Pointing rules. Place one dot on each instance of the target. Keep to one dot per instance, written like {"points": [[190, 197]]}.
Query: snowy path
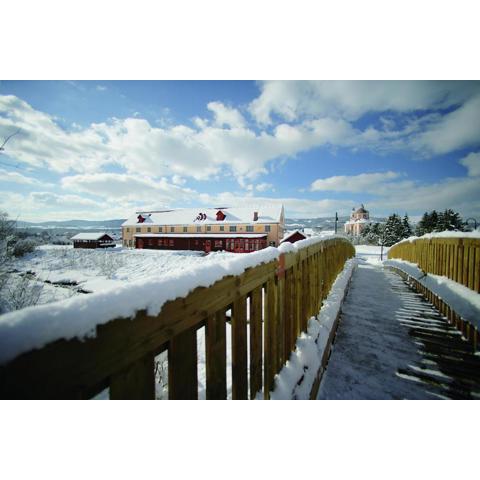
{"points": [[392, 344]]}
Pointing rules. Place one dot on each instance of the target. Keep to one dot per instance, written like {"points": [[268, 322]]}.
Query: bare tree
{"points": [[2, 148]]}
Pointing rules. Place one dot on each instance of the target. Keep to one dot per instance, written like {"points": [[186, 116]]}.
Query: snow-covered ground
{"points": [[370, 254], [63, 271]]}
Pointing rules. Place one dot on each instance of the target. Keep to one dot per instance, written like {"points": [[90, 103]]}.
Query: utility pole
{"points": [[336, 221]]}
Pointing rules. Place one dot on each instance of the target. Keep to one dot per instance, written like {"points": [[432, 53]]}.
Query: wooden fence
{"points": [[455, 258], [283, 295]]}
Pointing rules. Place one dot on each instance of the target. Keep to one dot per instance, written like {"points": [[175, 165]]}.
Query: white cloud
{"points": [[50, 199], [365, 182], [41, 142], [224, 115], [101, 88], [294, 207], [351, 99], [458, 129], [264, 187], [17, 177], [472, 162], [129, 188]]}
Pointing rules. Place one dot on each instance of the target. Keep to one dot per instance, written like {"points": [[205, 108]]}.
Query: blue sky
{"points": [[102, 149]]}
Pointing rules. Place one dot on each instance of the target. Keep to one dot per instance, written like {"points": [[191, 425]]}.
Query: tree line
{"points": [[396, 229]]}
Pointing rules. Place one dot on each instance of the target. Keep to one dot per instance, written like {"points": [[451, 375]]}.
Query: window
{"points": [[272, 244], [160, 229], [209, 228], [233, 228], [149, 229], [267, 228], [184, 229], [128, 230], [172, 229], [138, 229], [171, 242], [249, 228], [199, 229], [218, 244], [222, 228]]}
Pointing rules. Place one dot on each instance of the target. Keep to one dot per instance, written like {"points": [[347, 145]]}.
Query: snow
{"points": [[123, 295], [296, 378], [187, 216], [462, 300], [370, 254], [371, 344], [89, 236], [445, 234]]}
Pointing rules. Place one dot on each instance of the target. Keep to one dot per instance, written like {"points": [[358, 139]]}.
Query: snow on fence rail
{"points": [[456, 258], [106, 341], [424, 261]]}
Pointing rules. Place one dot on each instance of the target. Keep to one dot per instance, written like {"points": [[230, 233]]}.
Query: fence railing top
{"points": [[475, 235], [78, 317]]}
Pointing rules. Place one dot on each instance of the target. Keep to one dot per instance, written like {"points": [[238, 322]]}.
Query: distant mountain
{"points": [[74, 224]]}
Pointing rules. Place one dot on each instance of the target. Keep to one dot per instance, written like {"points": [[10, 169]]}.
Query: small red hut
{"points": [[92, 240], [293, 237]]}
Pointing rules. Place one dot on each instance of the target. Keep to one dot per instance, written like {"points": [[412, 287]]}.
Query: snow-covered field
{"points": [[63, 272]]}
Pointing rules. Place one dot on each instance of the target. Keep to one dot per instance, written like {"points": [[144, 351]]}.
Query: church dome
{"points": [[361, 209]]}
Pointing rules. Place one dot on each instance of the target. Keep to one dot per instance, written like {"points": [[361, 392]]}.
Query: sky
{"points": [[104, 149]]}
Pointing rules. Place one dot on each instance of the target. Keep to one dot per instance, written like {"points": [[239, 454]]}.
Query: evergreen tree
{"points": [[407, 229], [421, 225], [449, 220], [433, 222], [393, 232]]}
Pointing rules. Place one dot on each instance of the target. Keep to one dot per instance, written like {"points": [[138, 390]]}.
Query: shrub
{"points": [[23, 246]]}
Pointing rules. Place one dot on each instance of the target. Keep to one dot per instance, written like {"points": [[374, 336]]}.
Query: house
{"points": [[293, 237], [92, 240], [358, 219], [241, 229]]}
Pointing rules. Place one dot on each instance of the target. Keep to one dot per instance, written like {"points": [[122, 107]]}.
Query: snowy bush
{"points": [[22, 247], [19, 291]]}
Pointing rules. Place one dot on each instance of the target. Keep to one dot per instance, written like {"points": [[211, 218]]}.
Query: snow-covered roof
{"points": [[200, 215], [89, 236], [200, 235], [290, 234]]}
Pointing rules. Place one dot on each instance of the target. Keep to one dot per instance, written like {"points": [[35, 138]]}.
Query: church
{"points": [[358, 219]]}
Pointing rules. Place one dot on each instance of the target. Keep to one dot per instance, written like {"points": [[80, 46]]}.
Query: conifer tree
{"points": [[407, 229], [393, 230]]}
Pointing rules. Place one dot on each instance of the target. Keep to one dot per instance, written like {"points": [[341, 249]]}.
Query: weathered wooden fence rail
{"points": [[455, 258], [283, 294]]}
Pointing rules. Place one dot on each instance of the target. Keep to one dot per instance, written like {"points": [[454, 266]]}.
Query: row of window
{"points": [[232, 228]]}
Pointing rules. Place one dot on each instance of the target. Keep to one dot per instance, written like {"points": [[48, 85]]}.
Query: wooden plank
{"points": [[280, 327], [216, 356], [239, 349], [182, 366], [476, 282], [466, 254], [137, 382], [471, 267], [256, 326], [269, 328]]}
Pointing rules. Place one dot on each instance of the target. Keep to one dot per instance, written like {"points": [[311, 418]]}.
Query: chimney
{"points": [[255, 216]]}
